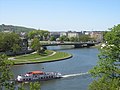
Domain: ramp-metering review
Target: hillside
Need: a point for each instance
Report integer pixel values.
(16, 29)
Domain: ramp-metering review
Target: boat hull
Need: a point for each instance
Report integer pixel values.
(34, 80)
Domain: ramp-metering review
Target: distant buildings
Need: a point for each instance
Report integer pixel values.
(73, 34)
(55, 34)
(96, 35)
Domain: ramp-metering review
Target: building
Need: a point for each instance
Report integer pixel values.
(97, 35)
(55, 34)
(73, 34)
(63, 34)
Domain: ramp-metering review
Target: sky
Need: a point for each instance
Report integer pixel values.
(61, 15)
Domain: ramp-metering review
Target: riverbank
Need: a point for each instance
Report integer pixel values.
(50, 56)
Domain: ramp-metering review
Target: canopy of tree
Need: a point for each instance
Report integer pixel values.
(64, 38)
(8, 41)
(52, 38)
(107, 71)
(35, 44)
(5, 74)
(41, 34)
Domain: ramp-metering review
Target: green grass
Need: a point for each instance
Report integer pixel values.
(34, 58)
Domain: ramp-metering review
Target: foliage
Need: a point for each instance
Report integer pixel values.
(64, 38)
(15, 48)
(5, 74)
(34, 86)
(72, 39)
(81, 38)
(35, 44)
(108, 68)
(84, 38)
(40, 34)
(52, 38)
(8, 40)
(103, 84)
(104, 33)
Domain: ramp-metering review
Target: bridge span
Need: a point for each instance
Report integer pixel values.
(76, 44)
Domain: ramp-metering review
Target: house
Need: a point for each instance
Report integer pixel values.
(97, 35)
(73, 34)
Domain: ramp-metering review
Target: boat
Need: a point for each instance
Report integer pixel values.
(38, 76)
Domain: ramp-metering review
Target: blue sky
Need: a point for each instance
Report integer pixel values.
(61, 15)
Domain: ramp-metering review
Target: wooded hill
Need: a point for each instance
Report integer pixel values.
(16, 29)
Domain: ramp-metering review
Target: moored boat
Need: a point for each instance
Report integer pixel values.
(38, 76)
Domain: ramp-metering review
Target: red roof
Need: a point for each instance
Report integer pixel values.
(36, 72)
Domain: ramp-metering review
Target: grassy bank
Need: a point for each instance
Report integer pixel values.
(48, 56)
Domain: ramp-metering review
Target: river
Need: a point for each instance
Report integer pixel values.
(74, 69)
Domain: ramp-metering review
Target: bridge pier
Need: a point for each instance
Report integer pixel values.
(78, 46)
(83, 45)
(89, 45)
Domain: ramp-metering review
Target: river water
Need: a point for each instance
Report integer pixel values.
(74, 69)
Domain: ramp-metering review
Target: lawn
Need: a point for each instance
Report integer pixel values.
(36, 58)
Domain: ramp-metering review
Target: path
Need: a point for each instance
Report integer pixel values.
(13, 58)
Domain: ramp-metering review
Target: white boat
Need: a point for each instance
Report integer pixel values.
(38, 76)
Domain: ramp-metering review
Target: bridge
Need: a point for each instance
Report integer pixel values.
(76, 44)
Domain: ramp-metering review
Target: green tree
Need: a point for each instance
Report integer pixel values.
(52, 38)
(34, 86)
(84, 38)
(15, 48)
(64, 38)
(104, 33)
(72, 39)
(45, 34)
(7, 40)
(35, 45)
(40, 34)
(5, 74)
(32, 34)
(107, 71)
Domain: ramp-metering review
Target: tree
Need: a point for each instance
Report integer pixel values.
(35, 44)
(64, 38)
(72, 39)
(40, 34)
(7, 40)
(34, 86)
(5, 74)
(84, 38)
(52, 38)
(15, 48)
(107, 71)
